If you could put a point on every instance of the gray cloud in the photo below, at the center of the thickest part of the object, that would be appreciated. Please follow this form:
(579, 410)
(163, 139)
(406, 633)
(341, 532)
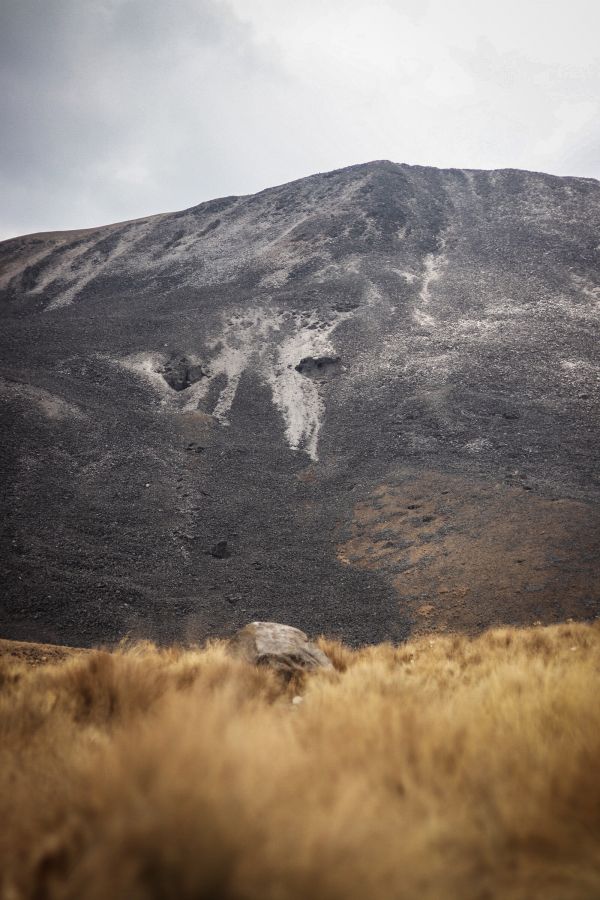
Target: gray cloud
(113, 109)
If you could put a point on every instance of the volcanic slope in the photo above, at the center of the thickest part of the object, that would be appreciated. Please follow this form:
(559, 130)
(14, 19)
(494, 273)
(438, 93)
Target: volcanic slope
(364, 403)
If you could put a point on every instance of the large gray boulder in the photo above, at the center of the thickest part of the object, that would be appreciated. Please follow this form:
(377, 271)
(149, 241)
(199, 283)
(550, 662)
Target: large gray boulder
(282, 647)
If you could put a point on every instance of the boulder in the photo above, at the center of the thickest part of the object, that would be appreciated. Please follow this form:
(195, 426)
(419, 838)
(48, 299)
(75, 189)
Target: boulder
(282, 647)
(317, 365)
(220, 550)
(180, 373)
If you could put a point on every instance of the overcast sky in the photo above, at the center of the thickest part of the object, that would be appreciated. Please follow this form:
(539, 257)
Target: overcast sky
(114, 109)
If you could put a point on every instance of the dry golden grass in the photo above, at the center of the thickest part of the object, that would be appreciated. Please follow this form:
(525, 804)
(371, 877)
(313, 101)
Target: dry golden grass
(444, 768)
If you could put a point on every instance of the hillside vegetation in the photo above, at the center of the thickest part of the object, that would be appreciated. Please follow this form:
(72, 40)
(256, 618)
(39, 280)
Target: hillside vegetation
(447, 767)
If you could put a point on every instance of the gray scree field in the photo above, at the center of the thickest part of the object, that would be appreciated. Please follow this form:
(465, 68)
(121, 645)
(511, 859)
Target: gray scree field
(364, 403)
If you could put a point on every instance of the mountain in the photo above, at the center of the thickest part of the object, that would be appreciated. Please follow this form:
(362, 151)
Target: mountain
(364, 403)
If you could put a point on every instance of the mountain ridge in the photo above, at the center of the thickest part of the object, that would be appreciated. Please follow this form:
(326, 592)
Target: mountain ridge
(373, 385)
(354, 166)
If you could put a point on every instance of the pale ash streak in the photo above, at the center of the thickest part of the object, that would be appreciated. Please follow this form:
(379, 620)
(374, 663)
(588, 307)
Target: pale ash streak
(297, 397)
(50, 405)
(242, 340)
(80, 272)
(270, 344)
(433, 266)
(275, 343)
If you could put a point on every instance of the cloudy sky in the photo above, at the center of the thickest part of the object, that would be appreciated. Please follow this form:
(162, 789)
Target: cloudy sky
(113, 109)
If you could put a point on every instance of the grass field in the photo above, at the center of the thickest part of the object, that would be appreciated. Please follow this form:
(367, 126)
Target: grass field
(447, 767)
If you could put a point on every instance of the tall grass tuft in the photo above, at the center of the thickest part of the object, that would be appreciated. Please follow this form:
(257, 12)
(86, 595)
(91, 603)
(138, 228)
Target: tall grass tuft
(447, 767)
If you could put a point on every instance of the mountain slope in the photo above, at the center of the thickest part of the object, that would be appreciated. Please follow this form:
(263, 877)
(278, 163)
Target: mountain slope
(364, 402)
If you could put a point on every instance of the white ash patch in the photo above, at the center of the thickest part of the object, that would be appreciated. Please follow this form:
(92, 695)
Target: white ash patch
(205, 247)
(270, 342)
(585, 311)
(401, 273)
(591, 292)
(20, 262)
(297, 397)
(275, 279)
(508, 318)
(251, 238)
(274, 343)
(65, 269)
(506, 308)
(245, 337)
(478, 445)
(580, 368)
(351, 264)
(149, 365)
(571, 365)
(96, 265)
(433, 266)
(423, 319)
(372, 295)
(430, 367)
(485, 329)
(50, 405)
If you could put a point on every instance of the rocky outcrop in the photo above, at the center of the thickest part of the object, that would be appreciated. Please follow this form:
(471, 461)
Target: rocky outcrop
(317, 365)
(286, 649)
(220, 550)
(180, 373)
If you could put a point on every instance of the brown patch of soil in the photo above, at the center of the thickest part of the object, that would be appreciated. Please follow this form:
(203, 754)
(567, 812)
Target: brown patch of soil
(36, 654)
(307, 476)
(468, 553)
(195, 417)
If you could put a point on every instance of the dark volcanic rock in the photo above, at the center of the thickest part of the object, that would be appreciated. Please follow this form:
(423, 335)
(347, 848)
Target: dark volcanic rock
(317, 365)
(180, 373)
(458, 313)
(220, 550)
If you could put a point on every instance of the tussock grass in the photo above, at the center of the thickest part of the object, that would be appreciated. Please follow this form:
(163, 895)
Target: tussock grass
(445, 768)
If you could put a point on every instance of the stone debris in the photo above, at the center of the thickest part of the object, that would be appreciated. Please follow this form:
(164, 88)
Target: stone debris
(220, 550)
(282, 647)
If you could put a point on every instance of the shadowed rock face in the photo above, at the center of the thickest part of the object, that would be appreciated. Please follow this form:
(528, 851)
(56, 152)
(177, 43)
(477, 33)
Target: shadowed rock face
(180, 373)
(316, 366)
(161, 394)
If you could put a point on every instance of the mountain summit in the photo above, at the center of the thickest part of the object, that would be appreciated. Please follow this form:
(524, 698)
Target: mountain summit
(363, 403)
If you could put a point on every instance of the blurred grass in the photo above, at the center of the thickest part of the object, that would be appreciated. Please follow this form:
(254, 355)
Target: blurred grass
(447, 767)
